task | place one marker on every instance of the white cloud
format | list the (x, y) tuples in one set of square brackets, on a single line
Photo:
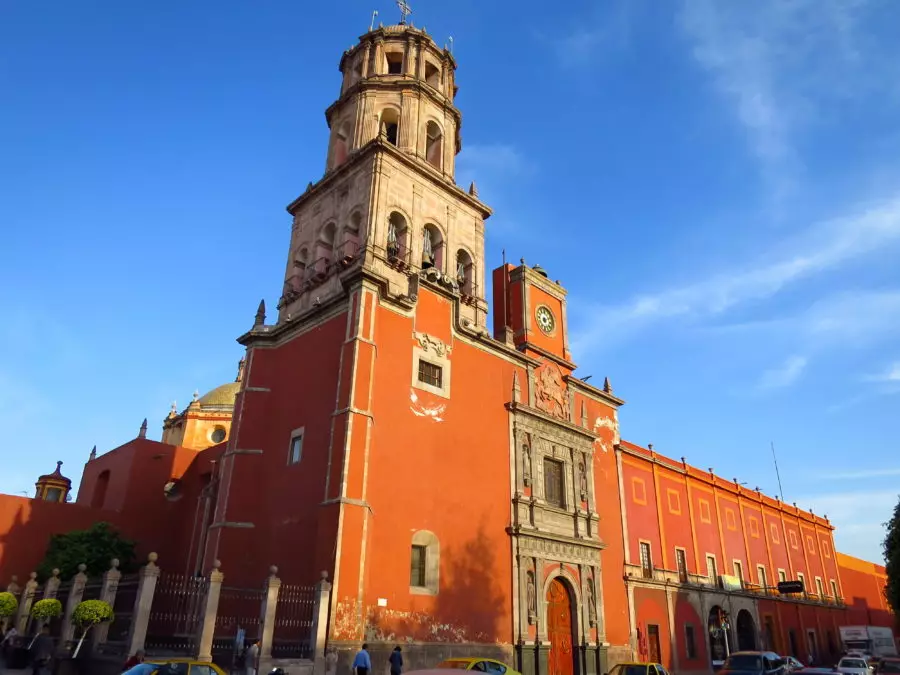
[(785, 374), (858, 517), (824, 247), (890, 374), (494, 159)]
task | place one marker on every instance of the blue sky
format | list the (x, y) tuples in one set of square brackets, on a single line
[(715, 183)]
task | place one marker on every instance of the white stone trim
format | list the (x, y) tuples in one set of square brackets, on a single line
[(432, 562), (442, 362)]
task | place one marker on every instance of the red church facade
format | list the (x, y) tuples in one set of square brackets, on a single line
[(465, 492)]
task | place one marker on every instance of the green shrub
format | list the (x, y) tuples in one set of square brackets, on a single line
[(8, 604), (49, 608), (91, 612)]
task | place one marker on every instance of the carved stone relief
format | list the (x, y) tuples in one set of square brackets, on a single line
[(429, 343), (551, 394)]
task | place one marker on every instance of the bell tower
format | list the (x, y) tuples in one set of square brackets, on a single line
[(388, 203)]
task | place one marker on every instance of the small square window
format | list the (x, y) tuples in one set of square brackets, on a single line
[(431, 374), (417, 566), (296, 450)]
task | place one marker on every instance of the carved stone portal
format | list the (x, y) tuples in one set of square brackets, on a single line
[(550, 392)]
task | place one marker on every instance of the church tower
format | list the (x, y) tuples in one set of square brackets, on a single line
[(388, 202)]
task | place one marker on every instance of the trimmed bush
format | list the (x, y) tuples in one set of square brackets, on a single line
[(49, 608), (8, 604)]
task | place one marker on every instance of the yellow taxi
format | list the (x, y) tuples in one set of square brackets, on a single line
[(491, 666), (638, 668), (185, 667)]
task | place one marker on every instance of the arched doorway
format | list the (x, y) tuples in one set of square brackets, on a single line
[(717, 627), (746, 632), (560, 629)]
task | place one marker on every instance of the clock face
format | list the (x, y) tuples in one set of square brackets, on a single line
[(545, 320)]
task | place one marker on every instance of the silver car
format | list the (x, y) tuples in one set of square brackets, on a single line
[(854, 665)]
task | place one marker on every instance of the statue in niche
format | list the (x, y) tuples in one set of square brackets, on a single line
[(582, 478), (532, 597), (592, 603), (526, 464)]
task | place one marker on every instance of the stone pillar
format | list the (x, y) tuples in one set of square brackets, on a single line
[(108, 595), (23, 615), (211, 609), (270, 603), (76, 592), (51, 588), (13, 588), (319, 634), (143, 602)]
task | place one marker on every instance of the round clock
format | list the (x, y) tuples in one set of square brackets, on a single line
[(545, 320)]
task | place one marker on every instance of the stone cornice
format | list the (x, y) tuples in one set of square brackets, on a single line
[(549, 419), (598, 394), (402, 83)]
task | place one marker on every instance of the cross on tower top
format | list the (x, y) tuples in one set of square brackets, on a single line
[(405, 10)]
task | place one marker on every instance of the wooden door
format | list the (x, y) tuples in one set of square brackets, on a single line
[(559, 630), (653, 642)]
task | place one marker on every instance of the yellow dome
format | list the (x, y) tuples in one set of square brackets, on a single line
[(221, 396)]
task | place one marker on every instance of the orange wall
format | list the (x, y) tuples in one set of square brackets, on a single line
[(864, 583)]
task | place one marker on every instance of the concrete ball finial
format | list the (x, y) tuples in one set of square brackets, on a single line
[(55, 572), (217, 565), (152, 558), (114, 563), (32, 576), (273, 570), (324, 575), (82, 567), (14, 578)]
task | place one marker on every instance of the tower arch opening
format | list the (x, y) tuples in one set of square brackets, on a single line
[(340, 145), (390, 125), (465, 272), (324, 251), (432, 248), (397, 238), (434, 145), (349, 240), (393, 62), (432, 75)]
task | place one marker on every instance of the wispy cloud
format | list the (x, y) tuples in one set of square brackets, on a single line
[(890, 374), (858, 475), (780, 65), (607, 29), (858, 516), (493, 159), (822, 248), (785, 374)]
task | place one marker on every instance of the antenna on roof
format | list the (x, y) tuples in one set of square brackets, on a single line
[(777, 475), (372, 25)]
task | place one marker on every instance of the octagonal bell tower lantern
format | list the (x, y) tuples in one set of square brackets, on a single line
[(388, 202)]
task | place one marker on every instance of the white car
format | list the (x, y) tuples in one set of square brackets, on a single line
[(853, 665), (792, 664)]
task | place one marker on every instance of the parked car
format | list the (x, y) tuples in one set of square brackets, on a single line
[(854, 665), (638, 668), (792, 664), (753, 663), (491, 666), (188, 666)]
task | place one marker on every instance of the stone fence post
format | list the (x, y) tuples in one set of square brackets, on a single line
[(23, 615), (108, 595), (51, 588), (12, 587), (143, 603), (76, 592), (211, 609), (319, 633), (270, 604)]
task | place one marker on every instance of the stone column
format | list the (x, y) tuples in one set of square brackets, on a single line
[(75, 594), (108, 595), (13, 588), (270, 603), (51, 588), (143, 602), (23, 614), (211, 609), (319, 634)]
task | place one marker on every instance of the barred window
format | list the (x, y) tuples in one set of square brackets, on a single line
[(553, 482), (430, 374), (417, 566)]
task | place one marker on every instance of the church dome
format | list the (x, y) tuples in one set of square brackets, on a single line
[(221, 396)]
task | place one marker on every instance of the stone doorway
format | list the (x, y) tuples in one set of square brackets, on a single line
[(746, 632), (560, 629)]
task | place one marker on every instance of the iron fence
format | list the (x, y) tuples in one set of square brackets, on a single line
[(123, 614), (176, 615), (293, 621)]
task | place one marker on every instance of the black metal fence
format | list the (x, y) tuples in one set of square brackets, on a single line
[(123, 614), (176, 615), (294, 621)]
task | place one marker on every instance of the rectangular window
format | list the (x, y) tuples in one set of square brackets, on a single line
[(646, 561), (761, 576), (417, 566), (690, 645), (553, 482), (738, 570), (296, 449), (711, 570), (430, 374), (681, 563), (653, 642), (781, 576), (834, 590), (820, 589), (802, 580)]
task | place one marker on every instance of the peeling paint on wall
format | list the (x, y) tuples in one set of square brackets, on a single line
[(346, 621), (391, 625), (435, 412)]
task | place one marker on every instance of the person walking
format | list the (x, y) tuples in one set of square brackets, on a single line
[(396, 660), (252, 658), (362, 663)]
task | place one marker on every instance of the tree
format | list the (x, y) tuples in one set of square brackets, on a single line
[(43, 611), (95, 547), (88, 614), (891, 546)]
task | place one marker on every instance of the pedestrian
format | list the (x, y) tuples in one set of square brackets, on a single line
[(42, 652), (396, 660), (136, 658), (252, 657), (362, 664)]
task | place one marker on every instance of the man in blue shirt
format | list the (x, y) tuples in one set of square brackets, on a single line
[(362, 664)]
